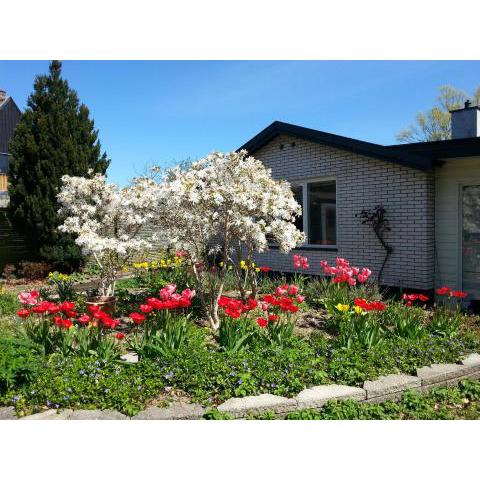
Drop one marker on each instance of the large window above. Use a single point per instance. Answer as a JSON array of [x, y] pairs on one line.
[[319, 206]]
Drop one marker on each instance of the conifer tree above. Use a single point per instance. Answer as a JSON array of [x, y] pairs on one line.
[[55, 137]]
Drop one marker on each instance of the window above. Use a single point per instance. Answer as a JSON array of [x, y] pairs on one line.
[[319, 207]]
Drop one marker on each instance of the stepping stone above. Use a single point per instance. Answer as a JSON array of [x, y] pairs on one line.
[[176, 411], [7, 413], [97, 415], [317, 396], [390, 387], [50, 414], [239, 407], [441, 372]]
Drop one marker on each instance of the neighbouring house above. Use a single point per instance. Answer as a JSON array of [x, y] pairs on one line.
[[430, 191], [9, 117], [12, 245]]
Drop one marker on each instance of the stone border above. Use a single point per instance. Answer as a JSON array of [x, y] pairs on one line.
[[388, 387]]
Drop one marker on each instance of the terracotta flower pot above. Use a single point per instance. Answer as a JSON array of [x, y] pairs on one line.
[[107, 304]]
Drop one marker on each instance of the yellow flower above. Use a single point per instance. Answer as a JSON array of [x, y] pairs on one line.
[[243, 265], [257, 269], [341, 307], [357, 309], [221, 264], [253, 264]]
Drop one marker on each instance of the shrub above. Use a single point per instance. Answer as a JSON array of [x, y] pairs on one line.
[[35, 270]]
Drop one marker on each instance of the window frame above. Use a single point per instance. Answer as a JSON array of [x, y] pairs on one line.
[[305, 213]]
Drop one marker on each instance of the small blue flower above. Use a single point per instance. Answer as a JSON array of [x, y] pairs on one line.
[[106, 390], [15, 398]]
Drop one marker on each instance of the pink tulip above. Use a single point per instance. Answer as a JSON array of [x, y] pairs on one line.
[[188, 294], [29, 298], [167, 291], [281, 290], [300, 299], [293, 290]]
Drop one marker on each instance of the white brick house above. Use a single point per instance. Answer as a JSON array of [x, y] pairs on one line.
[[429, 190]]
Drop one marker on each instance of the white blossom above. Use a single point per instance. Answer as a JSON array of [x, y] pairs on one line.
[[106, 220]]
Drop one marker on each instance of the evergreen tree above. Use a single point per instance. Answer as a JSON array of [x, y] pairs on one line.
[[55, 137]]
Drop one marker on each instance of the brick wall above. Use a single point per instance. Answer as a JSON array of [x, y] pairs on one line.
[[363, 182]]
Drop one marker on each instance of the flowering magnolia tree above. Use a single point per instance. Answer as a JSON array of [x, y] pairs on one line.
[[106, 220], [226, 206]]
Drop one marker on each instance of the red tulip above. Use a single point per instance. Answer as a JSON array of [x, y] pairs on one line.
[[23, 313], [138, 318], [262, 322]]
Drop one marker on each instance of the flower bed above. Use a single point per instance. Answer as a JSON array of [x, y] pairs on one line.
[[257, 350]]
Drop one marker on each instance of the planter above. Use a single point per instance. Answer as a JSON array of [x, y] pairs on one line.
[[107, 304]]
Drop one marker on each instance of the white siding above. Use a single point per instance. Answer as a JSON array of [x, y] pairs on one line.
[[449, 180], [363, 182]]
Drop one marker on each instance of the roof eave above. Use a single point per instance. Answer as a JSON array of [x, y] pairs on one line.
[[316, 136]]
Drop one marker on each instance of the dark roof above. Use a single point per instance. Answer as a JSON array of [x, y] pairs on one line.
[[442, 149], [390, 154]]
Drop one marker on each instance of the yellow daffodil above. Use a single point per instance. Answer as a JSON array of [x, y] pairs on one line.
[[341, 307]]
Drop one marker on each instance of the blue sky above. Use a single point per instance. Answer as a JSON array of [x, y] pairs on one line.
[[162, 112]]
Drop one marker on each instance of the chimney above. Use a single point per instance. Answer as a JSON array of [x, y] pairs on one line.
[[3, 95], [466, 121]]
